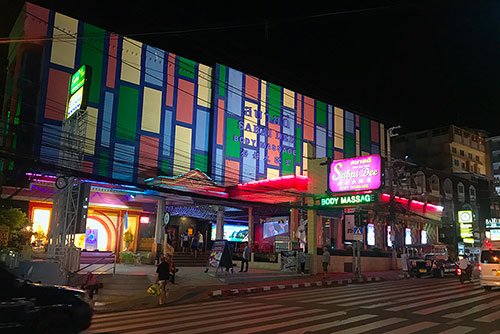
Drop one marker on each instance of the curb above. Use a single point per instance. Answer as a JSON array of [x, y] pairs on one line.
[[265, 288]]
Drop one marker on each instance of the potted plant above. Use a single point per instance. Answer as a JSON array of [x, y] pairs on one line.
[[128, 238]]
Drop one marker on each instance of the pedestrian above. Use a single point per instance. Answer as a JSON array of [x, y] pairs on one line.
[[194, 246], [302, 261], [200, 242], [90, 285], [325, 260], [173, 269], [163, 280], [245, 257], [185, 241]]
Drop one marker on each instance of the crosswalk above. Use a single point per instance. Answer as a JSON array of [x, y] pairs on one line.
[[396, 307]]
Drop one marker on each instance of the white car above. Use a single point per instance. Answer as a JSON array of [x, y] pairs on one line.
[[489, 262]]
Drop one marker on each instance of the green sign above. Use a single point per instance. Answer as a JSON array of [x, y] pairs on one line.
[[346, 200], [77, 80]]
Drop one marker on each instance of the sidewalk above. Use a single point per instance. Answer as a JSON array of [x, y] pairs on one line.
[[192, 284]]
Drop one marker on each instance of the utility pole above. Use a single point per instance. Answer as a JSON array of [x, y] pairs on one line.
[[390, 176]]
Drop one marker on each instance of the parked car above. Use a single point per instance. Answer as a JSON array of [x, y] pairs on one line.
[[27, 307], [430, 260]]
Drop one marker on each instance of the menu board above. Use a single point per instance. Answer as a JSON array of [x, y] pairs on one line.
[[220, 256]]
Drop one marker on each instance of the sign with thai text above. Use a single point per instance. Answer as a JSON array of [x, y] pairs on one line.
[[355, 174], [348, 200], [77, 80]]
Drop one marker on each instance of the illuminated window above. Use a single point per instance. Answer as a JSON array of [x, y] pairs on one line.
[[41, 220], [423, 237], [389, 240], [407, 236], [370, 235]]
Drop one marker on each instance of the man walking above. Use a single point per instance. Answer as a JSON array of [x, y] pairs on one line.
[[163, 280], [246, 257]]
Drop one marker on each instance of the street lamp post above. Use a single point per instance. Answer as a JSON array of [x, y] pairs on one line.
[[392, 214]]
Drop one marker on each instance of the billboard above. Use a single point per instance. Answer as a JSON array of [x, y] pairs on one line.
[[236, 233], [355, 174]]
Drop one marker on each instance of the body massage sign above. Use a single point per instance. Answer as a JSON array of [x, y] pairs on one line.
[[355, 174]]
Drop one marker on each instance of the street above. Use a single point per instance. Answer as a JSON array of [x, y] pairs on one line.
[[427, 305]]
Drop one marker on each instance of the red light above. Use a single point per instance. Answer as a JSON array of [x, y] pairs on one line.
[[487, 243], [459, 271], [479, 267]]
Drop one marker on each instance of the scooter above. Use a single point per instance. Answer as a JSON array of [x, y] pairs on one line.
[[464, 275]]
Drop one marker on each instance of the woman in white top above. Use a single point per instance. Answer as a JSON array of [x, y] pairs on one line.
[[200, 242]]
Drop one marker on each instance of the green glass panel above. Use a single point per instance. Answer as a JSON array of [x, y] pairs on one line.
[[232, 146], [92, 55], [349, 145], [298, 145], [364, 125], [274, 93], [128, 102], [103, 166], [11, 165], [321, 113], [329, 152], [166, 167], [186, 68], [222, 86], [287, 163], [201, 162]]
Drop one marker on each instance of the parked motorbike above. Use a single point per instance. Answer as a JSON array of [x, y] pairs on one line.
[[465, 275]]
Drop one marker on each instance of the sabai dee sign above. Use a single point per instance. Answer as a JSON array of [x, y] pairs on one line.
[[347, 200], [355, 174]]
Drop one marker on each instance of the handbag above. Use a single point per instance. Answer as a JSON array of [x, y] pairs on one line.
[[154, 289]]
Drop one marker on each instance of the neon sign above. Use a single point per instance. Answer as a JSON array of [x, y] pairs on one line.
[[348, 200], [355, 174]]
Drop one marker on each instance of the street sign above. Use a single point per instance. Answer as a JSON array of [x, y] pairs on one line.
[[358, 233]]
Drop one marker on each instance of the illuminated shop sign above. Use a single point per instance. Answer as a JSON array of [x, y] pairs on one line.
[[77, 80], [78, 90], [355, 174], [492, 223], [75, 103], [348, 200], [465, 219]]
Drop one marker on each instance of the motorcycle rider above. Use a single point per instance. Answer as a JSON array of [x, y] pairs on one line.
[[465, 265]]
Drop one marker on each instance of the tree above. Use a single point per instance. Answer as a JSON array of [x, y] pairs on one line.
[[17, 221]]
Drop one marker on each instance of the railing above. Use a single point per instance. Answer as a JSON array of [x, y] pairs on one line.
[[98, 260]]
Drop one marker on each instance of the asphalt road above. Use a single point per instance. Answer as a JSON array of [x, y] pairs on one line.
[[406, 306]]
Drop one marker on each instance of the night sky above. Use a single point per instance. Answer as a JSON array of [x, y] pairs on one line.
[[418, 64]]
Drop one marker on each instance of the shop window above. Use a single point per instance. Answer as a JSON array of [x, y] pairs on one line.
[[472, 193], [435, 184], [461, 192], [448, 189], [407, 236], [420, 181], [41, 221]]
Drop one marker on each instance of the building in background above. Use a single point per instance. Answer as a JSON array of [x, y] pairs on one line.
[[494, 148], [449, 149]]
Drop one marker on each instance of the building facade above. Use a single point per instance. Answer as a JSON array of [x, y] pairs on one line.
[[155, 118]]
